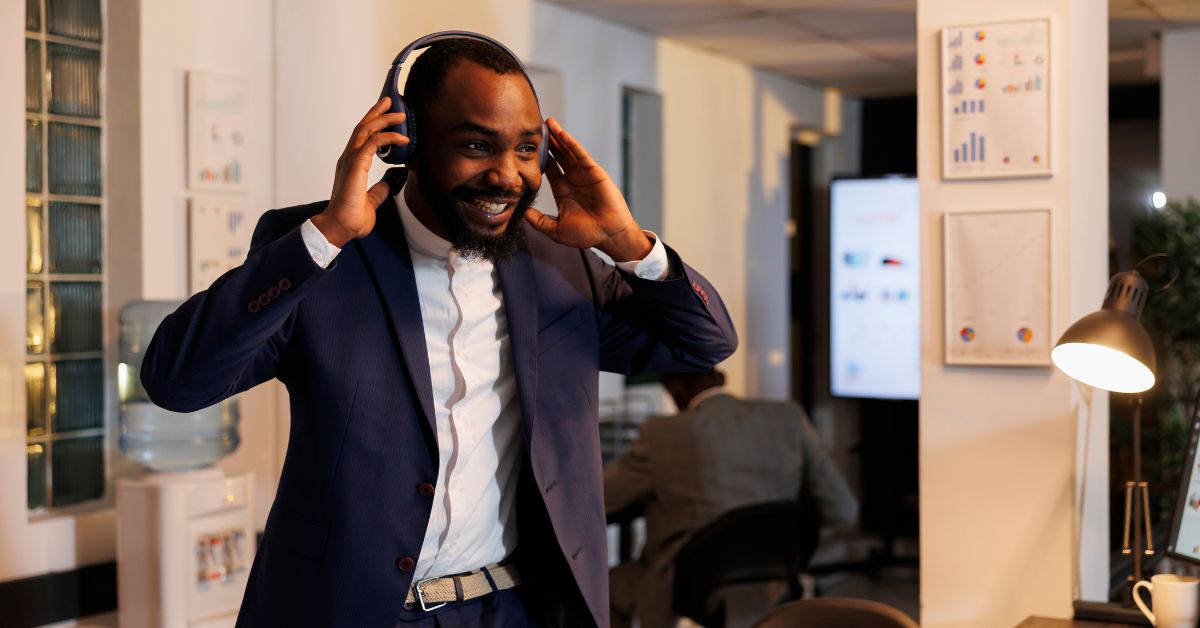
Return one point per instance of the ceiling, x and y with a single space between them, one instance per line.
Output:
863 47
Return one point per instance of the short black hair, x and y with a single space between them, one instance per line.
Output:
429 71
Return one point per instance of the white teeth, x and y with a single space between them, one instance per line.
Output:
491 208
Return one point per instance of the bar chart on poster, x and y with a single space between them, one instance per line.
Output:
217 127
996 100
219 231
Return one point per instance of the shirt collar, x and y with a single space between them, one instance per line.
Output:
418 235
705 394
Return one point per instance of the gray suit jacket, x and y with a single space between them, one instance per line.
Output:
725 453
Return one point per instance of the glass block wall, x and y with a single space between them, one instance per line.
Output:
64 229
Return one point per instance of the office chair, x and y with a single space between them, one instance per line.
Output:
825 612
759 543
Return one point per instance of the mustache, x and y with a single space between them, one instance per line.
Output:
511 196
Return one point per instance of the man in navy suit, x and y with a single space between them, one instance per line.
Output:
440 342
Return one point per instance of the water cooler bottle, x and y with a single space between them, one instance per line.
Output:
185 532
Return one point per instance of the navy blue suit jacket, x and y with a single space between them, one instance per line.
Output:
348 343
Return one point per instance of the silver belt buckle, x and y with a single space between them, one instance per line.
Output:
421 595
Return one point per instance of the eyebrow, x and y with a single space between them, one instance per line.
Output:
490 132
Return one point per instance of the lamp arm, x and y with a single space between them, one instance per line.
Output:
1174 270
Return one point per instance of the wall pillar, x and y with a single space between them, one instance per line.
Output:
1001 449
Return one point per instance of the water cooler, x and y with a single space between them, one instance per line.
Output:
185 531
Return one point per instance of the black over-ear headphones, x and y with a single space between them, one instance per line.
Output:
391 88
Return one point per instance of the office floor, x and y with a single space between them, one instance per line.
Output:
104 620
894 586
894 580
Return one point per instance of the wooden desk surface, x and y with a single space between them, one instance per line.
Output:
1048 622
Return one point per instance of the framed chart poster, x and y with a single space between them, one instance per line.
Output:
218 239
998 287
216 121
996 100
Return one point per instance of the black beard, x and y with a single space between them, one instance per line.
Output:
469 243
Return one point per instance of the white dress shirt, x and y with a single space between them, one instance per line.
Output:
473 522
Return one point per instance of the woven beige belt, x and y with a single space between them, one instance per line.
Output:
433 593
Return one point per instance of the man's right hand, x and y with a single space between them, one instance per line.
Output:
352 205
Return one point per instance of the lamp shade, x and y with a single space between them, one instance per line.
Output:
1109 348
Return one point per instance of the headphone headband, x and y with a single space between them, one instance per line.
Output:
433 38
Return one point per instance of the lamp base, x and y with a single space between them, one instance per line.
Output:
1109 612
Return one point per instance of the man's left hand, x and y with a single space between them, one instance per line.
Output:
591 210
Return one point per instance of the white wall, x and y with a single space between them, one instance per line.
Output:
732 231
1180 125
726 133
999 447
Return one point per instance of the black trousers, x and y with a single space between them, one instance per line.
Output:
502 609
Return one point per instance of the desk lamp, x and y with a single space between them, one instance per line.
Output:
1109 349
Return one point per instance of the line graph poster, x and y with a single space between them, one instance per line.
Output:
996 100
998 276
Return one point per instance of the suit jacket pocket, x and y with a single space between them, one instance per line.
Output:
559 328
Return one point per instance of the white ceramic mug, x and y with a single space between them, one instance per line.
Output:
1176 600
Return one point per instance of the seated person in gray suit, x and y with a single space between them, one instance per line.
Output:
719 453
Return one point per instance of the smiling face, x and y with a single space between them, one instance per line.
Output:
476 169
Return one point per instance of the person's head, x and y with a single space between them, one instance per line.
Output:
476 155
684 387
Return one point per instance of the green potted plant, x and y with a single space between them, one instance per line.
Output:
1173 319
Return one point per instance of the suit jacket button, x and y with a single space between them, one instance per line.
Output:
263 299
284 284
273 291
253 306
405 563
426 489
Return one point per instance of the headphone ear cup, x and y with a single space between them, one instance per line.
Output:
394 154
410 131
544 147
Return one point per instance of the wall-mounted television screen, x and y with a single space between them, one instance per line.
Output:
875 283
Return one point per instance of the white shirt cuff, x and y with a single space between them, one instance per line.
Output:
319 248
654 266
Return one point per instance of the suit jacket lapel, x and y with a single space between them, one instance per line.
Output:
386 253
519 288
